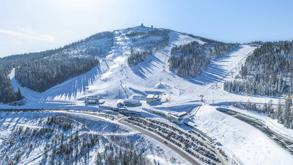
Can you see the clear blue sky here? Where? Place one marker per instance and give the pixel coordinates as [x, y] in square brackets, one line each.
[34, 25]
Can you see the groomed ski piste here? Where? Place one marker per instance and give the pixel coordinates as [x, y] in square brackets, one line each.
[114, 80]
[248, 144]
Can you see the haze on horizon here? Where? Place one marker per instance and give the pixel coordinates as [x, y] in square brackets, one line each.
[34, 25]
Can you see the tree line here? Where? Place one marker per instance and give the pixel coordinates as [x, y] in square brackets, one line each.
[42, 70]
[137, 57]
[151, 39]
[191, 59]
[281, 112]
[268, 71]
[43, 74]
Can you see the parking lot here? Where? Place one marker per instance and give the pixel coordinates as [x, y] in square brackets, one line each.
[197, 146]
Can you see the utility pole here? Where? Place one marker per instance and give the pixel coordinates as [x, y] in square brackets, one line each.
[201, 98]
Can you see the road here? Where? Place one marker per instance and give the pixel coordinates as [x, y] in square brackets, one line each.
[174, 148]
[121, 121]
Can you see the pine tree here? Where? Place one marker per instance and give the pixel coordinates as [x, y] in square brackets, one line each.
[279, 111]
[18, 95]
[287, 111]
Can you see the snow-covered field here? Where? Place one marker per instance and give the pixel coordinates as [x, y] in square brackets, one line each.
[268, 121]
[248, 144]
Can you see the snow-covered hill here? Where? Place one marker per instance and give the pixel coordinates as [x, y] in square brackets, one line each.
[116, 79]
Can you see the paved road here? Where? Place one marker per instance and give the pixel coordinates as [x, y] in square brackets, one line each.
[174, 148]
[192, 160]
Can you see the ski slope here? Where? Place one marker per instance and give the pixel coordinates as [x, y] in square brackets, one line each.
[115, 79]
[248, 144]
[268, 121]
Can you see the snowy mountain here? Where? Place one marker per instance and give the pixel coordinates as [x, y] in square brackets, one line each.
[162, 92]
[111, 53]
